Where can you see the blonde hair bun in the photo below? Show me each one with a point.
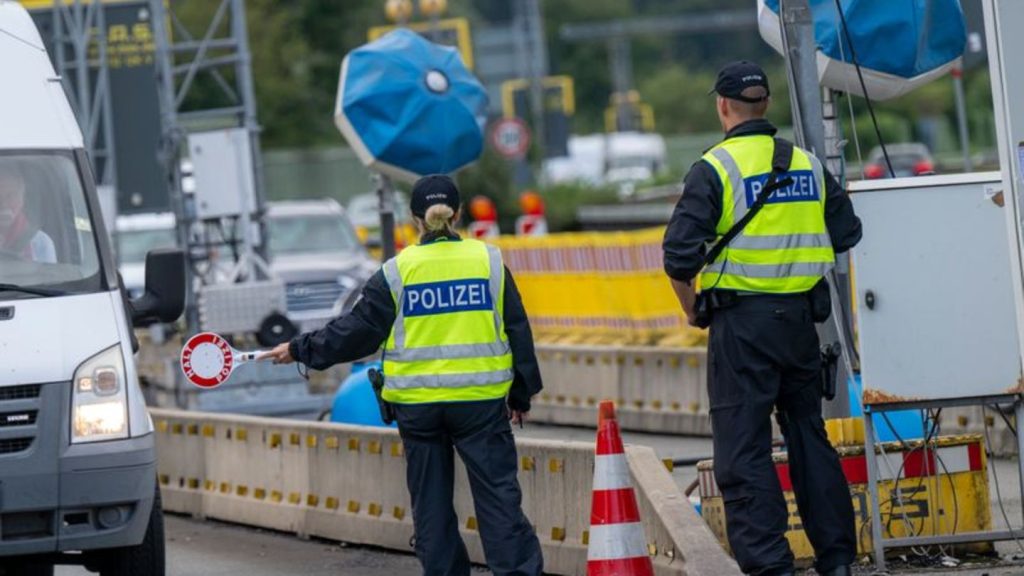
(438, 217)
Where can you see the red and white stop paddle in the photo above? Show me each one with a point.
(208, 360)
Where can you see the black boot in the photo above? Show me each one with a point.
(838, 571)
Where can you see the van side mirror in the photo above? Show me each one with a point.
(164, 298)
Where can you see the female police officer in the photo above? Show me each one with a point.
(459, 364)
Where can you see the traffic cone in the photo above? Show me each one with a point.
(617, 546)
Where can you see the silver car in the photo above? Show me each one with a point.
(313, 247)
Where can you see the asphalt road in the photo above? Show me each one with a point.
(197, 548)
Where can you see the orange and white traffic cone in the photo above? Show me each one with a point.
(618, 546)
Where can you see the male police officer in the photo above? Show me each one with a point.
(763, 351)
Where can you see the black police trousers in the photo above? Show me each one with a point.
(763, 354)
(481, 433)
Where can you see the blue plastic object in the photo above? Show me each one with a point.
(905, 39)
(355, 403)
(409, 107)
(906, 424)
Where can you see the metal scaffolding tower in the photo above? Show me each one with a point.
(221, 53)
(80, 54)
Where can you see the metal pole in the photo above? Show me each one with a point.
(961, 116)
(840, 278)
(108, 177)
(876, 518)
(1018, 415)
(81, 42)
(386, 197)
(538, 68)
(620, 54)
(522, 173)
(801, 52)
(801, 56)
(833, 134)
(164, 61)
(243, 72)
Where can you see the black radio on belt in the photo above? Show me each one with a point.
(387, 412)
(710, 300)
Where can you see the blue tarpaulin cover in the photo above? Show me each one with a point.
(409, 107)
(904, 38)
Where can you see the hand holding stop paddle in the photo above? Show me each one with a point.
(280, 354)
(208, 360)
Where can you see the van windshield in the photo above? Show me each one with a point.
(46, 233)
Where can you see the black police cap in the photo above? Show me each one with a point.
(431, 190)
(736, 78)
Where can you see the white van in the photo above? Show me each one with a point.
(77, 459)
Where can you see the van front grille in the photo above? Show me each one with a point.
(12, 445)
(19, 417)
(19, 392)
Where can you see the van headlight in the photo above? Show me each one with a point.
(99, 405)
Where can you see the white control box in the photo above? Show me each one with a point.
(934, 289)
(222, 167)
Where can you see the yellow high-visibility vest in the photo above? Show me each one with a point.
(448, 342)
(785, 248)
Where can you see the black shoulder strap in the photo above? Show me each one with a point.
(782, 157)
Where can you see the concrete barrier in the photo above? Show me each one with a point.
(660, 390)
(347, 483)
(664, 390)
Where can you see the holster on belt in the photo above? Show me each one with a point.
(709, 301)
(387, 412)
(830, 354)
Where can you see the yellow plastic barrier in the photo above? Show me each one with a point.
(919, 496)
(598, 288)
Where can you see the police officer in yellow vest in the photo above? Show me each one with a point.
(761, 296)
(459, 366)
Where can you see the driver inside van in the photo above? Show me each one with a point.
(19, 236)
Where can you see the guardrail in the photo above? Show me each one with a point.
(347, 483)
(664, 390)
(655, 389)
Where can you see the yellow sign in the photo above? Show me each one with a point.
(559, 95)
(37, 4)
(129, 46)
(923, 506)
(450, 32)
(629, 103)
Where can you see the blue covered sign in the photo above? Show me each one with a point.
(409, 107)
(900, 45)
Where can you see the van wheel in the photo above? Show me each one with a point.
(146, 559)
(28, 569)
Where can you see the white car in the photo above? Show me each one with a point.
(137, 234)
(313, 247)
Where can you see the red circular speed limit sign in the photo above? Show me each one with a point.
(207, 360)
(510, 137)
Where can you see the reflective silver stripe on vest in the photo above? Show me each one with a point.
(394, 279)
(449, 352)
(732, 169)
(448, 380)
(787, 270)
(819, 173)
(497, 275)
(781, 242)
